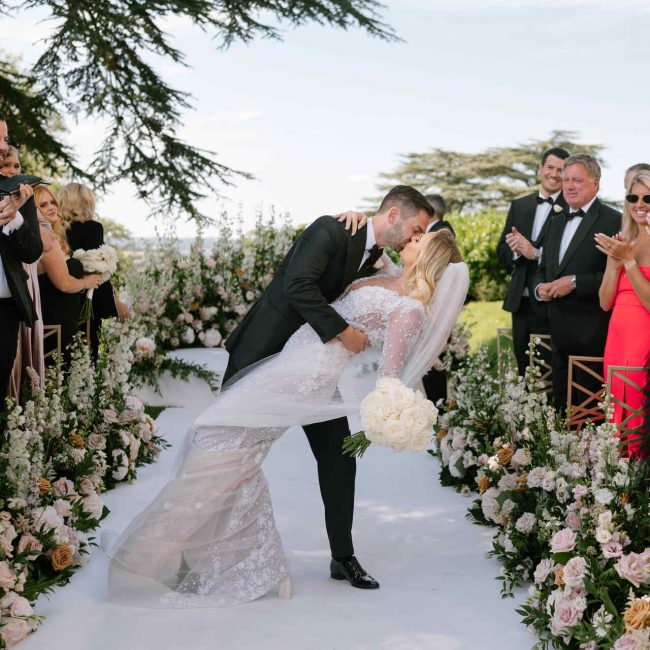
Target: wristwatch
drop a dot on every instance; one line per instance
(573, 282)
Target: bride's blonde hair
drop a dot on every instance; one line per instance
(439, 251)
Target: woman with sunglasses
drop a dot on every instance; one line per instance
(626, 289)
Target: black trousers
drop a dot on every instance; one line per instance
(435, 384)
(336, 477)
(9, 323)
(560, 364)
(524, 323)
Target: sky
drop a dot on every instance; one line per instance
(318, 116)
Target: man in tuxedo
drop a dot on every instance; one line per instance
(435, 381)
(571, 272)
(439, 209)
(20, 241)
(520, 249)
(319, 266)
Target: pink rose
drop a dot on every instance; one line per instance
(17, 605)
(563, 541)
(7, 577)
(86, 486)
(572, 520)
(564, 616)
(63, 487)
(574, 572)
(633, 567)
(29, 543)
(625, 643)
(613, 548)
(14, 631)
(110, 415)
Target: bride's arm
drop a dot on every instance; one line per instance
(404, 326)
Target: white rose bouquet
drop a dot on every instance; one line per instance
(393, 416)
(102, 260)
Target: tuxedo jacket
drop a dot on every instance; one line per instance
(22, 245)
(439, 225)
(521, 215)
(578, 324)
(322, 261)
(90, 235)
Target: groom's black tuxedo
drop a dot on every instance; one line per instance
(319, 266)
(578, 324)
(22, 245)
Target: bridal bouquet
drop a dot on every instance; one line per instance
(102, 260)
(393, 416)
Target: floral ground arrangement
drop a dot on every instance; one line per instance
(81, 435)
(571, 516)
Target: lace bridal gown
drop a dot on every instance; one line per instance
(209, 538)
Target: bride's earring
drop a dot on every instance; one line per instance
(284, 588)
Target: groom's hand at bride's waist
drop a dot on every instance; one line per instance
(353, 339)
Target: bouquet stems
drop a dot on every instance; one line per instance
(356, 444)
(87, 307)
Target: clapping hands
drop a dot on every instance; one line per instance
(519, 244)
(618, 249)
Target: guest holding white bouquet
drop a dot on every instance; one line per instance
(102, 261)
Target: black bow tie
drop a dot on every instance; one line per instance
(570, 215)
(541, 199)
(375, 254)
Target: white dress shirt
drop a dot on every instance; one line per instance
(371, 241)
(7, 229)
(570, 230)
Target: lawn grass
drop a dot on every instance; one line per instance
(483, 318)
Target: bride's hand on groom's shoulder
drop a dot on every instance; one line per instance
(353, 220)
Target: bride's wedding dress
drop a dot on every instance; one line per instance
(209, 538)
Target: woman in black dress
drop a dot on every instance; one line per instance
(83, 231)
(60, 277)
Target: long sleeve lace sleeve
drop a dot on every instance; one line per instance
(404, 326)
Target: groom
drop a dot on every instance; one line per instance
(319, 266)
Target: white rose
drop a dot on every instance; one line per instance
(188, 336)
(7, 577)
(14, 631)
(603, 535)
(564, 540)
(535, 477)
(574, 572)
(63, 507)
(526, 523)
(604, 496)
(93, 505)
(521, 458)
(120, 464)
(543, 570)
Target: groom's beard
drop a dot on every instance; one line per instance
(394, 237)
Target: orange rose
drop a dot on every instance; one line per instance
(44, 486)
(61, 558)
(76, 441)
(625, 498)
(504, 455)
(442, 433)
(637, 615)
(559, 576)
(483, 484)
(452, 404)
(522, 481)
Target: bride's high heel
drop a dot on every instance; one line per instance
(284, 588)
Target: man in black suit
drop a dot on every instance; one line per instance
(20, 241)
(571, 272)
(439, 209)
(520, 249)
(319, 266)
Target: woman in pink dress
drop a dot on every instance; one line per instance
(626, 289)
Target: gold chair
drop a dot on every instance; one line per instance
(505, 350)
(621, 372)
(588, 408)
(84, 326)
(542, 342)
(52, 331)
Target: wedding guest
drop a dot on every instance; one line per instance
(625, 290)
(571, 272)
(77, 204)
(632, 171)
(30, 339)
(439, 206)
(520, 249)
(61, 277)
(19, 243)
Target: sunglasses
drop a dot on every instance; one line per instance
(633, 198)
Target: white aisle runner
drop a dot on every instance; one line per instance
(437, 590)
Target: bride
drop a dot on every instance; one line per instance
(209, 538)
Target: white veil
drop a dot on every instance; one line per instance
(272, 394)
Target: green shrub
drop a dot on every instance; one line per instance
(477, 236)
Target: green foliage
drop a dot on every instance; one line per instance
(476, 181)
(97, 63)
(482, 319)
(477, 236)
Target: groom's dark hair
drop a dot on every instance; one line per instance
(408, 200)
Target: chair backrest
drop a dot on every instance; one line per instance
(540, 357)
(582, 402)
(84, 326)
(53, 331)
(622, 373)
(505, 350)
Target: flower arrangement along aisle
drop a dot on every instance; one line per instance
(196, 300)
(80, 435)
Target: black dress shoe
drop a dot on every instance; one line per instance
(353, 572)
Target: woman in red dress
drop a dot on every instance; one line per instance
(626, 289)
